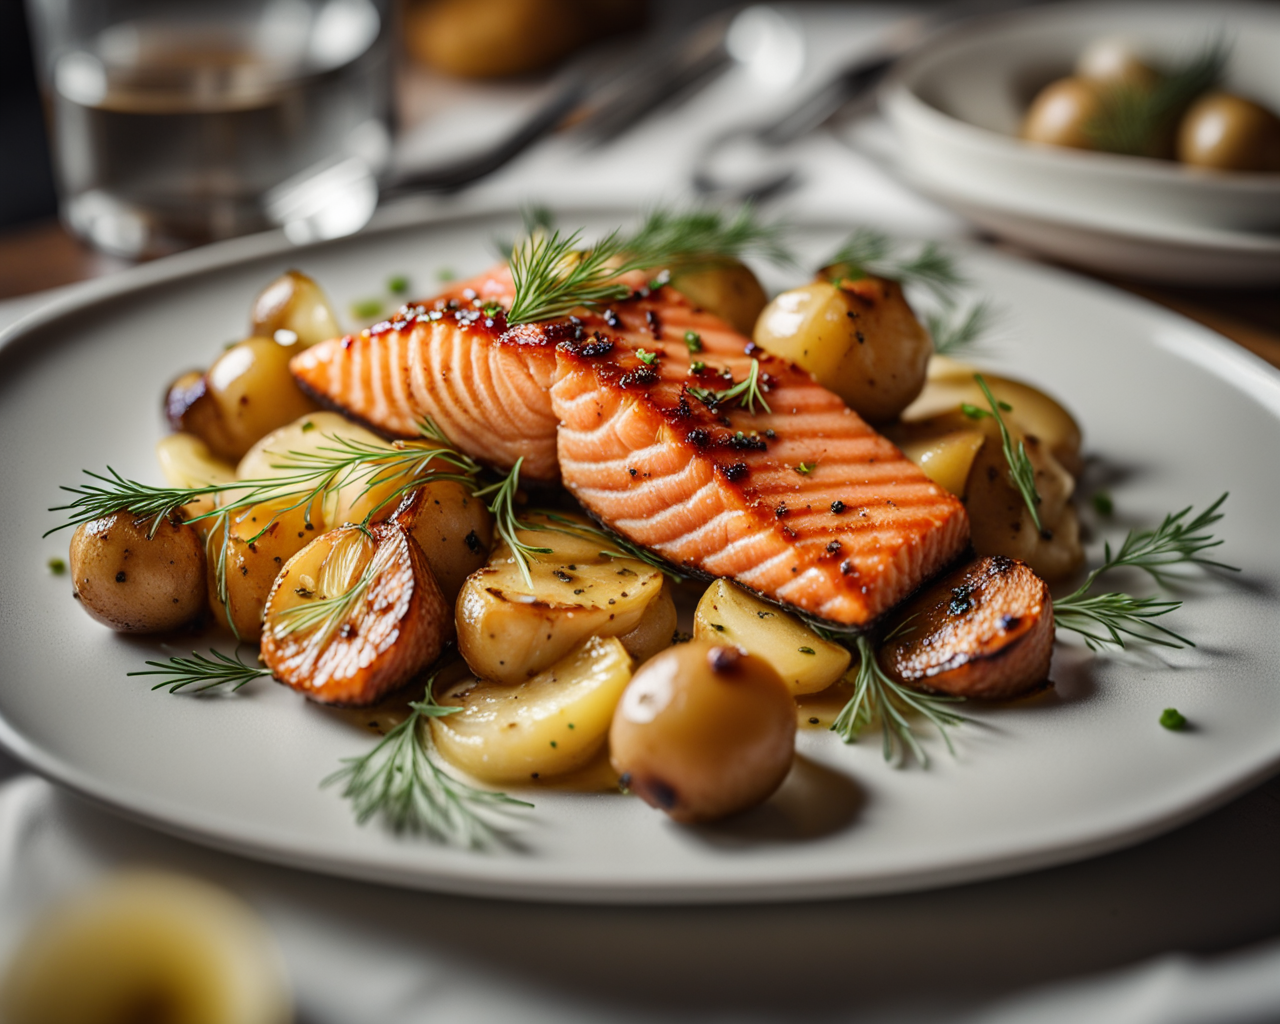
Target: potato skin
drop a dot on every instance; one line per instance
(294, 302)
(859, 338)
(703, 731)
(729, 290)
(454, 529)
(1229, 133)
(1058, 116)
(137, 583)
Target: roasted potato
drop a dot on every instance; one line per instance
(1114, 60)
(246, 554)
(355, 615)
(1062, 111)
(806, 662)
(136, 581)
(294, 303)
(247, 393)
(859, 338)
(186, 461)
(727, 289)
(509, 631)
(703, 731)
(452, 526)
(1229, 133)
(548, 725)
(944, 447)
(493, 38)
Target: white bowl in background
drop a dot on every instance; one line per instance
(957, 102)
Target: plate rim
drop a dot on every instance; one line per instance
(1241, 368)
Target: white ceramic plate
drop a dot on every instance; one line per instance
(1178, 414)
(956, 105)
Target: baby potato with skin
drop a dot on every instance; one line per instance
(1061, 113)
(704, 731)
(728, 289)
(452, 526)
(294, 302)
(136, 581)
(859, 338)
(1229, 133)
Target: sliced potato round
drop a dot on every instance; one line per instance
(728, 289)
(509, 630)
(858, 338)
(452, 526)
(134, 580)
(354, 615)
(553, 723)
(727, 614)
(293, 302)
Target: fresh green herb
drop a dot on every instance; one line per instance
(805, 468)
(204, 673)
(1139, 120)
(806, 650)
(747, 393)
(1021, 472)
(875, 695)
(954, 330)
(1104, 619)
(1173, 720)
(445, 274)
(323, 617)
(693, 341)
(697, 366)
(366, 309)
(399, 781)
(870, 253)
(648, 358)
(1103, 505)
(308, 427)
(506, 521)
(309, 478)
(57, 566)
(398, 285)
(701, 238)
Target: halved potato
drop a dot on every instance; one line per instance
(729, 615)
(943, 446)
(554, 723)
(186, 461)
(728, 289)
(354, 615)
(509, 631)
(453, 527)
(294, 302)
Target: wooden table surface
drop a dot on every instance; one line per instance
(44, 255)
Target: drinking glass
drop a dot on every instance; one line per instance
(172, 120)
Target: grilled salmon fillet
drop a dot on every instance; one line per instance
(805, 504)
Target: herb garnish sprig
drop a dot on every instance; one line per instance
(1107, 619)
(399, 781)
(204, 673)
(956, 329)
(1021, 472)
(871, 253)
(748, 392)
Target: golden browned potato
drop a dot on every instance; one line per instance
(1229, 133)
(453, 527)
(294, 303)
(355, 615)
(704, 731)
(1114, 60)
(135, 581)
(492, 38)
(806, 662)
(509, 630)
(729, 290)
(984, 631)
(258, 541)
(656, 629)
(944, 446)
(554, 723)
(859, 338)
(247, 393)
(186, 461)
(1061, 113)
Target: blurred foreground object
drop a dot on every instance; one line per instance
(501, 38)
(169, 122)
(148, 946)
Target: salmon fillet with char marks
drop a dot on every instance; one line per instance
(449, 359)
(805, 504)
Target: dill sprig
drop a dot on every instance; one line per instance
(1103, 619)
(553, 274)
(204, 673)
(747, 392)
(876, 696)
(871, 253)
(308, 477)
(506, 520)
(1021, 472)
(955, 330)
(1138, 120)
(399, 781)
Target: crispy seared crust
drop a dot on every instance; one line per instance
(984, 631)
(399, 626)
